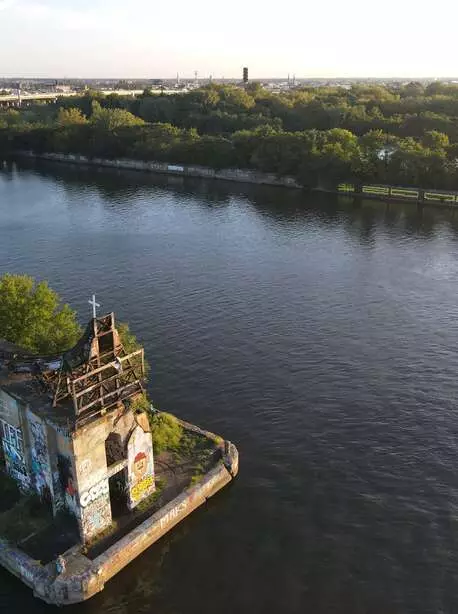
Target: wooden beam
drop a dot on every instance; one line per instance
(110, 394)
(87, 390)
(110, 364)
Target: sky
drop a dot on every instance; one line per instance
(154, 39)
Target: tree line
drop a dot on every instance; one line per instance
(406, 135)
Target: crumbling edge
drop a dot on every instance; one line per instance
(92, 575)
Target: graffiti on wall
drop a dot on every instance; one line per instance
(85, 468)
(95, 492)
(58, 498)
(39, 455)
(174, 513)
(96, 514)
(13, 451)
(140, 466)
(67, 482)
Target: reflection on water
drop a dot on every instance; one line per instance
(317, 333)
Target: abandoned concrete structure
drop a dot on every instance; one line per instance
(68, 429)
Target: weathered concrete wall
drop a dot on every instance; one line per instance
(63, 472)
(9, 409)
(84, 578)
(40, 455)
(92, 474)
(230, 174)
(15, 440)
(32, 573)
(93, 491)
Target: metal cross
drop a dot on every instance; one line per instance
(94, 306)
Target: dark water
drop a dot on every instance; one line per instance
(321, 337)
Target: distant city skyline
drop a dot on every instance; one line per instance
(53, 39)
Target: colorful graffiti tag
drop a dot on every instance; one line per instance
(96, 514)
(140, 466)
(39, 454)
(13, 451)
(93, 493)
(67, 482)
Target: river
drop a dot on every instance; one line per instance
(318, 334)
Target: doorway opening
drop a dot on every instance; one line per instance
(117, 475)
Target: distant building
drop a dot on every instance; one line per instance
(68, 430)
(245, 74)
(65, 89)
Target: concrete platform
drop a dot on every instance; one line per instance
(84, 577)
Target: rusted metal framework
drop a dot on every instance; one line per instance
(97, 374)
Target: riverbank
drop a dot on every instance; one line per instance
(379, 192)
(86, 573)
(204, 172)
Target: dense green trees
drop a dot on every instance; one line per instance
(32, 316)
(401, 135)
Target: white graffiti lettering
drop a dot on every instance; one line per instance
(85, 466)
(174, 513)
(209, 485)
(94, 493)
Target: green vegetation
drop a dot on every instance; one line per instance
(32, 316)
(398, 135)
(167, 432)
(201, 452)
(131, 344)
(140, 403)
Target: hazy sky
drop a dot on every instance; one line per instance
(153, 38)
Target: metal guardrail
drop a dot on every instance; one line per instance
(399, 193)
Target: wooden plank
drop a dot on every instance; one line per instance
(87, 390)
(110, 394)
(110, 364)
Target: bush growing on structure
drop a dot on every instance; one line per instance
(141, 403)
(166, 431)
(131, 344)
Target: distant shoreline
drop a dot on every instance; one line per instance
(383, 193)
(165, 168)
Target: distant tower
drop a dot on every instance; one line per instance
(178, 79)
(245, 74)
(195, 78)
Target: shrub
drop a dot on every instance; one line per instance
(166, 431)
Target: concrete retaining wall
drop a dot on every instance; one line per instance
(379, 192)
(83, 577)
(229, 174)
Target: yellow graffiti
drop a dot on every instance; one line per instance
(138, 490)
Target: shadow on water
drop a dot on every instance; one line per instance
(359, 216)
